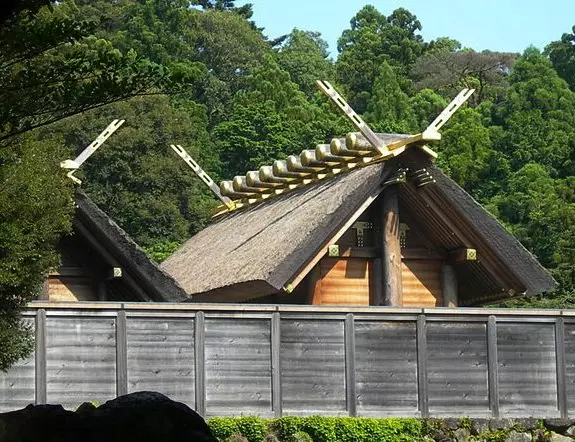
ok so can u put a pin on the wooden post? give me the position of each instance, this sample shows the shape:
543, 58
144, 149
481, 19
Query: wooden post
391, 248
448, 286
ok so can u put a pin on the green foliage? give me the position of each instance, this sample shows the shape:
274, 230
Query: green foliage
35, 208
161, 250
562, 55
328, 429
304, 56
270, 119
252, 428
465, 149
147, 189
372, 39
389, 108
47, 76
538, 116
16, 340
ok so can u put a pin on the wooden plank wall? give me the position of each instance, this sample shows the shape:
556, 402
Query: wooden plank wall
296, 360
343, 281
421, 279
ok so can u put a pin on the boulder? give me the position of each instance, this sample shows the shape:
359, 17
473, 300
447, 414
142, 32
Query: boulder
136, 417
49, 423
554, 437
516, 436
558, 425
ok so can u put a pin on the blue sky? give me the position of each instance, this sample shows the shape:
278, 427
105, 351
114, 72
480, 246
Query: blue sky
502, 25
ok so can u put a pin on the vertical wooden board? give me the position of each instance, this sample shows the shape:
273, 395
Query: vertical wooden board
570, 366
161, 357
343, 282
527, 369
457, 365
312, 366
81, 360
17, 384
238, 367
386, 367
421, 279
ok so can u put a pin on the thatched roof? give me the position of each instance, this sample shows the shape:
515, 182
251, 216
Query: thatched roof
148, 280
256, 251
261, 249
453, 219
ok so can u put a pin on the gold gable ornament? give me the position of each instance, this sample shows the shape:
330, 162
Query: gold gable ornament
325, 161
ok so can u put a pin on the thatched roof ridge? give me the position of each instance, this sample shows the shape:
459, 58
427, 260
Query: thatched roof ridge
154, 281
256, 251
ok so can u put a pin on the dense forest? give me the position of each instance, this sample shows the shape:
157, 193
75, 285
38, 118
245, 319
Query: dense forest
201, 73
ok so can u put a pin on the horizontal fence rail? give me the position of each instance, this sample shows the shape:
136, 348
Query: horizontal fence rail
264, 360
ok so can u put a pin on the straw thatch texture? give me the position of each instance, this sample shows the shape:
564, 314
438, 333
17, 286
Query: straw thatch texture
259, 249
154, 282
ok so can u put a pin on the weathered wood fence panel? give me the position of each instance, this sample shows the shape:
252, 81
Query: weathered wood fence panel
386, 368
160, 357
295, 360
457, 368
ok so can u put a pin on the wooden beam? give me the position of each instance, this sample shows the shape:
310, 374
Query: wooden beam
462, 254
291, 285
391, 248
465, 234
448, 286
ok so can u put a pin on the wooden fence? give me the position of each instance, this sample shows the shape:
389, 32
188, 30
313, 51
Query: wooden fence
300, 360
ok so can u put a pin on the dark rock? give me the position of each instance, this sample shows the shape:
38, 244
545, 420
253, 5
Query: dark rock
527, 423
136, 417
440, 436
515, 436
85, 408
539, 435
558, 425
500, 424
479, 426
39, 423
451, 423
461, 435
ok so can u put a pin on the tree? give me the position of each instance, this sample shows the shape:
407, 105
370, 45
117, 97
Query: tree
136, 178
389, 108
426, 105
51, 68
372, 39
465, 151
540, 211
35, 208
450, 71
562, 55
270, 119
538, 117
304, 56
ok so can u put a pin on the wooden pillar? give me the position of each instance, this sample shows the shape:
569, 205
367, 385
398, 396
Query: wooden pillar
448, 286
391, 248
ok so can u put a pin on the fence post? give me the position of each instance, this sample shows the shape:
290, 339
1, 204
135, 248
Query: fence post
493, 376
561, 369
40, 356
350, 392
121, 354
422, 366
276, 364
200, 356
